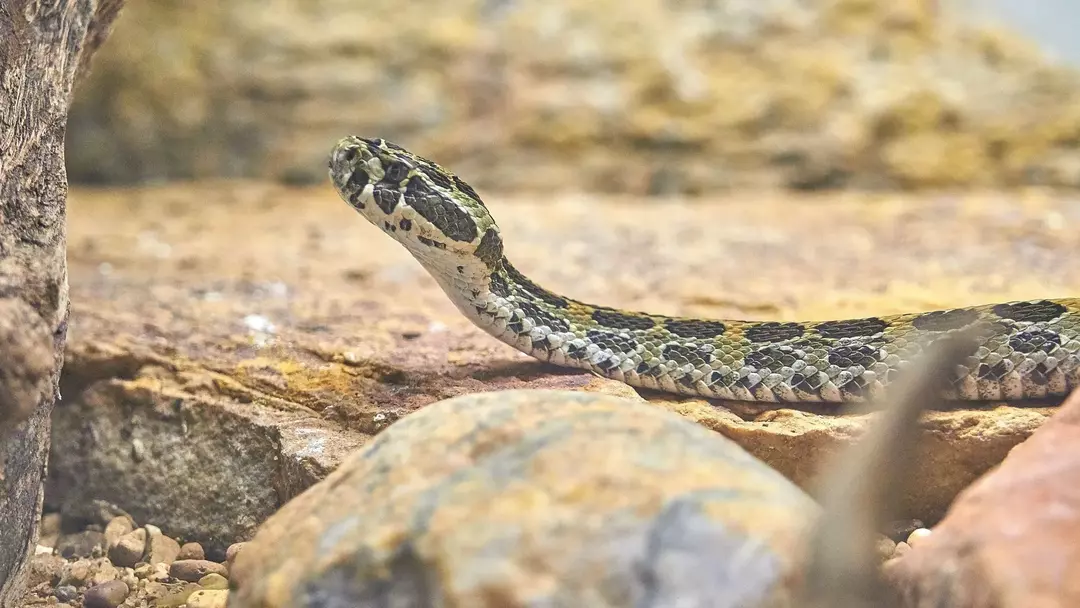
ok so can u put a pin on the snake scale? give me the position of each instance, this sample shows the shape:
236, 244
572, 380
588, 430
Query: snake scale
1028, 350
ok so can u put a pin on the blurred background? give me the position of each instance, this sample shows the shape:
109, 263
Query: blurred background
641, 97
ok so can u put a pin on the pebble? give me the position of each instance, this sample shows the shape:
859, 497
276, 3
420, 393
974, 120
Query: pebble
214, 598
902, 549
192, 570
76, 573
918, 536
191, 551
66, 593
155, 589
231, 553
161, 549
129, 548
118, 527
885, 547
178, 597
106, 595
214, 581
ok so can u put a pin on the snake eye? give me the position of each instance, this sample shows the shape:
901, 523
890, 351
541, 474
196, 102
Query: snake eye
350, 154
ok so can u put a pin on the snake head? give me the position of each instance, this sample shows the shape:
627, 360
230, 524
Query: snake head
438, 217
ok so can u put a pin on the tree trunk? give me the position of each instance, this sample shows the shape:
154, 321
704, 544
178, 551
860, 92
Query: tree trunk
45, 46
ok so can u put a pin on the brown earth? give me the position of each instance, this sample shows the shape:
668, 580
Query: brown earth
627, 96
230, 343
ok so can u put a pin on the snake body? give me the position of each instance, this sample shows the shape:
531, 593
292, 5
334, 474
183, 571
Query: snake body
1030, 349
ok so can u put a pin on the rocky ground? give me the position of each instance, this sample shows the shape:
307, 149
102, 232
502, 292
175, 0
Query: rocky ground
630, 96
231, 343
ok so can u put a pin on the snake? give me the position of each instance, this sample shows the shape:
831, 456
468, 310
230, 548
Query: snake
1025, 350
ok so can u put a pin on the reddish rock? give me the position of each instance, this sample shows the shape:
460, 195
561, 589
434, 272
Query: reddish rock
1011, 539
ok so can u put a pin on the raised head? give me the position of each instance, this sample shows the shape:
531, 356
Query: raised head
438, 217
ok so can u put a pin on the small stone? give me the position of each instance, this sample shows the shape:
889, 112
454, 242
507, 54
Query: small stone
117, 528
103, 571
76, 573
160, 573
191, 551
161, 549
918, 536
231, 553
129, 548
208, 599
885, 548
178, 597
106, 595
214, 581
192, 570
82, 544
155, 590
143, 570
902, 549
66, 593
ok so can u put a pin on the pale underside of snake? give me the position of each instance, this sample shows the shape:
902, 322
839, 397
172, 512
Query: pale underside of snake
1027, 350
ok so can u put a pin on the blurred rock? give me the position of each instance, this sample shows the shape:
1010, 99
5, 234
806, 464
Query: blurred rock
642, 97
535, 498
1010, 539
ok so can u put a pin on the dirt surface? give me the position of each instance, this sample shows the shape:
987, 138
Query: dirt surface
231, 342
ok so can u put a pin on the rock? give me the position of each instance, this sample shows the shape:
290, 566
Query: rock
191, 551
77, 573
214, 581
117, 528
208, 599
178, 597
160, 548
807, 95
129, 548
231, 553
1010, 539
191, 389
918, 536
66, 593
87, 543
192, 570
106, 595
659, 511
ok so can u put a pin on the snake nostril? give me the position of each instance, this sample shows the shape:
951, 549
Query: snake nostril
349, 154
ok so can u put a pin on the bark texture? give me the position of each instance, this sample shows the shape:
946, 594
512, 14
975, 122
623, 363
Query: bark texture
44, 47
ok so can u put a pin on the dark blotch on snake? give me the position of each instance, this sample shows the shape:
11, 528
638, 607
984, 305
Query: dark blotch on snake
540, 317
609, 340
771, 358
944, 320
1033, 340
852, 328
431, 243
490, 248
847, 356
692, 328
386, 198
467, 190
515, 277
994, 372
682, 354
448, 217
405, 224
1042, 310
609, 317
437, 176
773, 331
